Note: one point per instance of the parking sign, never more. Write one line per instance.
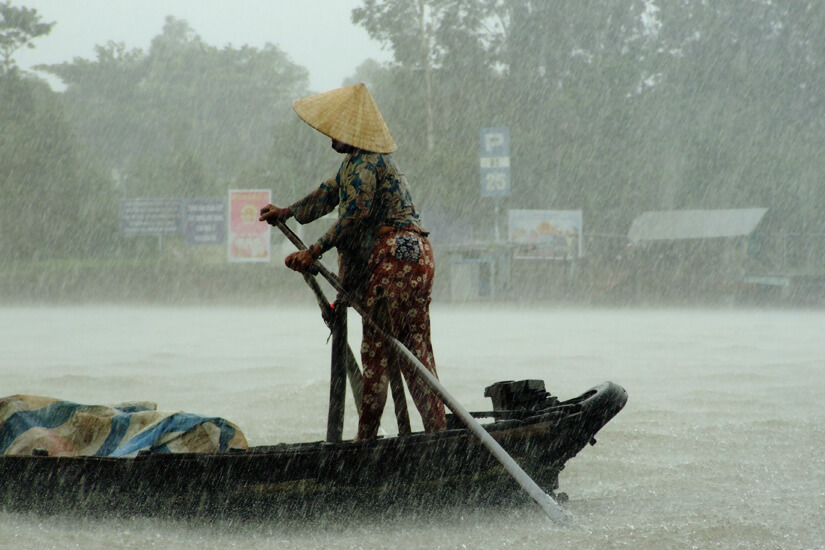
(495, 162)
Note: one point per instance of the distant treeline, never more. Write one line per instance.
(614, 108)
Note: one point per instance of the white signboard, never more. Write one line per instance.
(546, 234)
(154, 217)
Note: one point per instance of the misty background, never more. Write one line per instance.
(617, 109)
(613, 108)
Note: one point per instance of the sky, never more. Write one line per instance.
(316, 34)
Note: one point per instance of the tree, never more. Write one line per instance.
(56, 202)
(614, 107)
(181, 99)
(424, 35)
(413, 45)
(502, 62)
(50, 192)
(18, 28)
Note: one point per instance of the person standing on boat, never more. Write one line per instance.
(383, 250)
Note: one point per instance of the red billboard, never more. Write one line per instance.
(248, 239)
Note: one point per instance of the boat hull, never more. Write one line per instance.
(299, 479)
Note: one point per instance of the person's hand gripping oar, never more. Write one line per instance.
(305, 261)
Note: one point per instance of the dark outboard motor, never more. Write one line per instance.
(525, 395)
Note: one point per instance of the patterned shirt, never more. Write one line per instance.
(370, 192)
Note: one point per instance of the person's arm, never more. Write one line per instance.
(356, 198)
(319, 203)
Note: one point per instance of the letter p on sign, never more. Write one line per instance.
(492, 141)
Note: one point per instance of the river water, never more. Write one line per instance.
(721, 444)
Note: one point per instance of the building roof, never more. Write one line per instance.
(671, 225)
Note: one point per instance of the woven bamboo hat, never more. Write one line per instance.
(348, 115)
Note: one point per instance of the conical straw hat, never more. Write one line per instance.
(348, 115)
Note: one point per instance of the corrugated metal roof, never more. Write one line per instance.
(670, 225)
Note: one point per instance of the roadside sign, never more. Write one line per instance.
(204, 221)
(152, 217)
(546, 234)
(249, 239)
(495, 162)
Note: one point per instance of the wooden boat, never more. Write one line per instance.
(540, 432)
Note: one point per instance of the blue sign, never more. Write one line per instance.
(495, 162)
(204, 221)
(151, 217)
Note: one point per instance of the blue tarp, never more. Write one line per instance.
(65, 428)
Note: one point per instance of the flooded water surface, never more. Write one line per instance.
(721, 444)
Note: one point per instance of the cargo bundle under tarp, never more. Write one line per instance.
(43, 425)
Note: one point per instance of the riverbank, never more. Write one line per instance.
(164, 281)
(145, 281)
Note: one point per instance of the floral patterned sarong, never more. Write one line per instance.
(401, 271)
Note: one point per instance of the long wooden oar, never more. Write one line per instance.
(544, 500)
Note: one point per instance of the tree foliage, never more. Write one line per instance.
(56, 203)
(184, 117)
(18, 28)
(614, 107)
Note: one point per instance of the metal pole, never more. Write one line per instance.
(544, 500)
(498, 236)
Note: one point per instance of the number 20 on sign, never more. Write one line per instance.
(495, 162)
